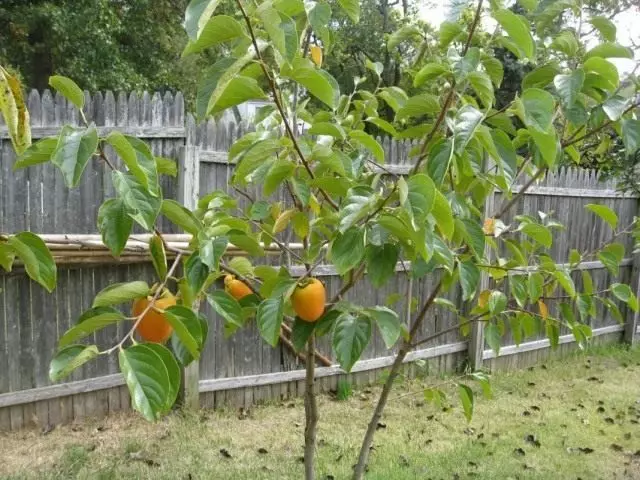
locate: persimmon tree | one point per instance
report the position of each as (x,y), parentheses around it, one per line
(345,207)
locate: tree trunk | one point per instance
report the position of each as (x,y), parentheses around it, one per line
(311,412)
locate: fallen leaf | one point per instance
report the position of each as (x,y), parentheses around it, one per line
(519,452)
(263,450)
(225,453)
(532,440)
(616,448)
(381,425)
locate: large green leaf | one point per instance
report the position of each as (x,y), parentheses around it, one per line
(114,224)
(466,398)
(199,330)
(539,233)
(404,33)
(69,89)
(7,256)
(141,205)
(212,250)
(623,293)
(443,214)
(605,213)
(318,82)
(565,280)
(541,76)
(448,32)
(90,321)
(601,73)
(319,15)
(473,236)
(605,27)
(424,104)
(516,26)
(117,293)
(381,263)
(37,259)
(74,150)
(469,278)
(181,216)
(421,195)
(611,256)
(566,42)
(186,326)
(351,8)
(547,144)
(439,160)
(138,158)
(631,135)
(228,308)
(387,322)
(534,285)
(196,272)
(153,377)
(357,205)
(219,29)
(615,107)
(609,50)
(467,120)
(347,249)
(493,337)
(429,72)
(254,157)
(539,107)
(269,319)
(158,256)
(281,30)
(569,86)
(300,333)
(482,86)
(197,16)
(67,359)
(351,335)
(497,302)
(368,142)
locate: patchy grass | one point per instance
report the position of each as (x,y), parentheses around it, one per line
(569,419)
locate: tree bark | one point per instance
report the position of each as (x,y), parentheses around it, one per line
(311,412)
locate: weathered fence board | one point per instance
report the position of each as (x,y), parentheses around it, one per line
(242,369)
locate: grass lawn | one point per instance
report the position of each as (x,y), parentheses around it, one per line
(570,419)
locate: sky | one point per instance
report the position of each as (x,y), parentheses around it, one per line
(435,11)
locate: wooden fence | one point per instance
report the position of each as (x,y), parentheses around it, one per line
(243,369)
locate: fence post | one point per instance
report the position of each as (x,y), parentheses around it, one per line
(476,340)
(189,190)
(631,324)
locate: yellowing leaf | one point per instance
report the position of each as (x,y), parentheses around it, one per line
(14,110)
(544,310)
(489,226)
(483,298)
(316,55)
(283,220)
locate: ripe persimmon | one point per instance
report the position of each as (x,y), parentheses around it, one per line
(236,288)
(154,327)
(308,299)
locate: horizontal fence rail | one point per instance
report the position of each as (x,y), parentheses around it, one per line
(242,369)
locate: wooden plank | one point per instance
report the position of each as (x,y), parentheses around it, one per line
(573,192)
(544,343)
(145,132)
(299,375)
(633,318)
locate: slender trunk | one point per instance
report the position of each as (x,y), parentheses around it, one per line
(311,412)
(367,441)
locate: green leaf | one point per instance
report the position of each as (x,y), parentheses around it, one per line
(90,321)
(246,243)
(74,150)
(508,159)
(117,293)
(279,171)
(601,73)
(351,8)
(420,197)
(429,72)
(347,249)
(440,157)
(609,50)
(474,236)
(228,308)
(357,205)
(37,153)
(494,69)
(327,128)
(186,326)
(138,158)
(383,125)
(569,86)
(197,16)
(539,107)
(541,76)
(519,31)
(463,66)
(565,280)
(196,272)
(240,89)
(535,283)
(448,32)
(158,256)
(443,215)
(67,359)
(466,398)
(547,144)
(482,86)
(605,213)
(605,27)
(212,250)
(319,15)
(367,141)
(7,256)
(467,120)
(493,337)
(469,278)
(611,256)
(615,106)
(553,333)
(153,377)
(35,256)
(424,104)
(199,330)
(269,319)
(623,293)
(404,33)
(281,30)
(582,333)
(219,29)
(181,216)
(166,166)
(351,335)
(381,263)
(300,333)
(395,97)
(141,205)
(631,135)
(388,324)
(69,89)
(114,224)
(518,289)
(319,83)
(566,43)
(539,233)
(497,302)
(254,156)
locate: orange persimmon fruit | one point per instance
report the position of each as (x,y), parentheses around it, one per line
(309,299)
(154,327)
(236,288)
